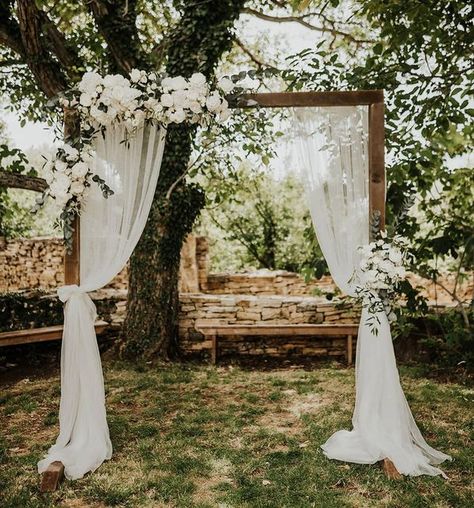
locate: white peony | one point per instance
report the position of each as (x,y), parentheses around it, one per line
(226,85)
(180,99)
(114,80)
(89,82)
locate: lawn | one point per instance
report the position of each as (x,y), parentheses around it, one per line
(197,436)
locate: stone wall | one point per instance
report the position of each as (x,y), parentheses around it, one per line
(199,309)
(265,283)
(37,263)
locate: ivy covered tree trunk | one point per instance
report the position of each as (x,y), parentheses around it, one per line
(151,325)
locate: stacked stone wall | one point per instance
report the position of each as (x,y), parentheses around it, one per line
(38,263)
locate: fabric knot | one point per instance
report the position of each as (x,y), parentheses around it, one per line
(66,292)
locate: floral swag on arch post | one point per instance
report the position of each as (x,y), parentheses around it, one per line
(116,155)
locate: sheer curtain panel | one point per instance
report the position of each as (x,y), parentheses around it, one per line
(110,230)
(333,152)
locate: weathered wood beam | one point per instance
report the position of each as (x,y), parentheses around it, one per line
(377,161)
(52,476)
(310,99)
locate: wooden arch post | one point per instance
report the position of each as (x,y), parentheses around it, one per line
(374,100)
(55,471)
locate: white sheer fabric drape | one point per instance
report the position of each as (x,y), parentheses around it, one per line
(332,148)
(110,230)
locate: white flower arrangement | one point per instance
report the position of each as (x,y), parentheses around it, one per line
(102,101)
(380,272)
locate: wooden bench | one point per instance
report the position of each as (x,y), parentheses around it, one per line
(213,332)
(45,334)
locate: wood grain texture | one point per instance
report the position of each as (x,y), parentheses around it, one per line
(390,470)
(72,264)
(377,161)
(279,330)
(52,476)
(44,334)
(310,99)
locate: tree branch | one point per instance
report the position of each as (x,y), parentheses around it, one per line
(116,21)
(256,60)
(46,70)
(18,181)
(9,30)
(65,53)
(301,20)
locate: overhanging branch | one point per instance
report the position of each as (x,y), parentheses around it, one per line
(302,20)
(46,70)
(18,181)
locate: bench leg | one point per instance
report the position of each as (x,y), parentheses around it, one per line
(214,349)
(349,350)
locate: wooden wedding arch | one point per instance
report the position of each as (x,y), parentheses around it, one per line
(373,99)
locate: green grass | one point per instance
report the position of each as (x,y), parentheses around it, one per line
(197,436)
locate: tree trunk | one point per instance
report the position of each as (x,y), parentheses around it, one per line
(151,325)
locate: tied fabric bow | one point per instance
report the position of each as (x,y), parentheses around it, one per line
(83,442)
(77,300)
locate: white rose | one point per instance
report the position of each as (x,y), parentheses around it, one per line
(197,79)
(167,100)
(90,81)
(195,107)
(62,198)
(60,166)
(178,116)
(85,100)
(224,115)
(77,188)
(226,85)
(180,99)
(178,83)
(166,84)
(213,102)
(79,170)
(135,75)
(395,256)
(70,151)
